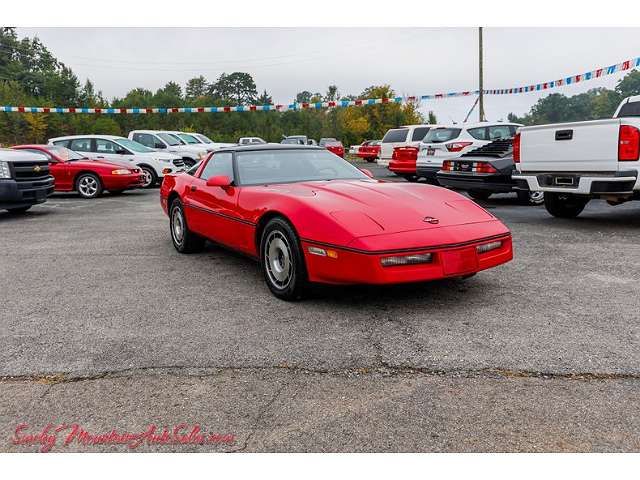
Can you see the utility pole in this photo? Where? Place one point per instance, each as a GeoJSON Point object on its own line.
{"type": "Point", "coordinates": [481, 86]}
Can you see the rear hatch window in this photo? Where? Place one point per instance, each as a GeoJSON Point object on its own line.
{"type": "Point", "coordinates": [439, 135]}
{"type": "Point", "coordinates": [396, 135]}
{"type": "Point", "coordinates": [631, 109]}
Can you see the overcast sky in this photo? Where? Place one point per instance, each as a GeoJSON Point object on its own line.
{"type": "Point", "coordinates": [414, 61]}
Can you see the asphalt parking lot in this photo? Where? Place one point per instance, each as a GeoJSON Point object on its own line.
{"type": "Point", "coordinates": [105, 325]}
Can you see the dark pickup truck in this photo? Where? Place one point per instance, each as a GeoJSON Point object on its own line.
{"type": "Point", "coordinates": [484, 171]}
{"type": "Point", "coordinates": [24, 180]}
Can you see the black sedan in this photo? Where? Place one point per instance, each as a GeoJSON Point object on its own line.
{"type": "Point", "coordinates": [485, 171]}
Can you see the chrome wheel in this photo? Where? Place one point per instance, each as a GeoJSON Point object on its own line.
{"type": "Point", "coordinates": [177, 226]}
{"type": "Point", "coordinates": [278, 259]}
{"type": "Point", "coordinates": [88, 186]}
{"type": "Point", "coordinates": [536, 198]}
{"type": "Point", "coordinates": [148, 178]}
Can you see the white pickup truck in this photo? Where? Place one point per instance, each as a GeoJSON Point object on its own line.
{"type": "Point", "coordinates": [575, 162]}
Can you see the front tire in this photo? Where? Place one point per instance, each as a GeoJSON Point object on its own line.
{"type": "Point", "coordinates": [564, 205]}
{"type": "Point", "coordinates": [184, 240]}
{"type": "Point", "coordinates": [18, 211]}
{"type": "Point", "coordinates": [150, 177]}
{"type": "Point", "coordinates": [282, 261]}
{"type": "Point", "coordinates": [89, 185]}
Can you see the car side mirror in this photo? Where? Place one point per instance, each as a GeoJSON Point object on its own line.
{"type": "Point", "coordinates": [367, 172]}
{"type": "Point", "coordinates": [219, 181]}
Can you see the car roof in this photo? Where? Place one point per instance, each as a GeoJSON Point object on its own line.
{"type": "Point", "coordinates": [9, 154]}
{"type": "Point", "coordinates": [105, 137]}
{"type": "Point", "coordinates": [268, 147]}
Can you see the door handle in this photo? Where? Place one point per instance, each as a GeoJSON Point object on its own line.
{"type": "Point", "coordinates": [193, 188]}
{"type": "Point", "coordinates": [99, 156]}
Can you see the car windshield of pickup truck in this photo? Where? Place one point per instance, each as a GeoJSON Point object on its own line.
{"type": "Point", "coordinates": [630, 109]}
{"type": "Point", "coordinates": [204, 138]}
{"type": "Point", "coordinates": [188, 138]}
{"type": "Point", "coordinates": [173, 141]}
{"type": "Point", "coordinates": [439, 135]}
{"type": "Point", "coordinates": [133, 146]}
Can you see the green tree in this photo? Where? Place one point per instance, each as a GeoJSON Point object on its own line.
{"type": "Point", "coordinates": [197, 87]}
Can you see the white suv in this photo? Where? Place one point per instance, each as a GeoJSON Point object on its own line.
{"type": "Point", "coordinates": [405, 136]}
{"type": "Point", "coordinates": [200, 140]}
{"type": "Point", "coordinates": [450, 141]}
{"type": "Point", "coordinates": [168, 141]}
{"type": "Point", "coordinates": [122, 150]}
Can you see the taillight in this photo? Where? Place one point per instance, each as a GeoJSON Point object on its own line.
{"type": "Point", "coordinates": [457, 146]}
{"type": "Point", "coordinates": [628, 144]}
{"type": "Point", "coordinates": [483, 167]}
{"type": "Point", "coordinates": [516, 148]}
{"type": "Point", "coordinates": [447, 165]}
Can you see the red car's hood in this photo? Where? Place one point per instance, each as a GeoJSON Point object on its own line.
{"type": "Point", "coordinates": [374, 208]}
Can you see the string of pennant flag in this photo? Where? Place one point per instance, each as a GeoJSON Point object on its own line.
{"type": "Point", "coordinates": [573, 79]}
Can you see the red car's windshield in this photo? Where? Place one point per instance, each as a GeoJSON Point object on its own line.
{"type": "Point", "coordinates": [287, 166]}
{"type": "Point", "coordinates": [64, 153]}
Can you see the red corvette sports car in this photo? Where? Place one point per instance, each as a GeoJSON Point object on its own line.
{"type": "Point", "coordinates": [73, 172]}
{"type": "Point", "coordinates": [310, 216]}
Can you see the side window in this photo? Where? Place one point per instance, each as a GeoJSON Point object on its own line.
{"type": "Point", "coordinates": [106, 146]}
{"type": "Point", "coordinates": [499, 131]}
{"type": "Point", "coordinates": [513, 129]}
{"type": "Point", "coordinates": [62, 143]}
{"type": "Point", "coordinates": [145, 139]}
{"type": "Point", "coordinates": [419, 133]}
{"type": "Point", "coordinates": [80, 144]}
{"type": "Point", "coordinates": [478, 133]}
{"type": "Point", "coordinates": [219, 164]}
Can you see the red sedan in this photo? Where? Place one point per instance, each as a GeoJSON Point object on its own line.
{"type": "Point", "coordinates": [403, 162]}
{"type": "Point", "coordinates": [369, 150]}
{"type": "Point", "coordinates": [333, 145]}
{"type": "Point", "coordinates": [73, 172]}
{"type": "Point", "coordinates": [309, 216]}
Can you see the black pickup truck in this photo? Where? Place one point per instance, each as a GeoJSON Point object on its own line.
{"type": "Point", "coordinates": [484, 171]}
{"type": "Point", "coordinates": [24, 180]}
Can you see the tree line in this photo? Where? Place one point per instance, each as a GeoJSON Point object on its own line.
{"type": "Point", "coordinates": [30, 75]}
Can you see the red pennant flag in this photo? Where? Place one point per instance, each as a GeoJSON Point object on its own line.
{"type": "Point", "coordinates": [252, 108]}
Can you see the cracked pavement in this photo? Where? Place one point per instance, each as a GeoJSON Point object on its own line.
{"type": "Point", "coordinates": [105, 325]}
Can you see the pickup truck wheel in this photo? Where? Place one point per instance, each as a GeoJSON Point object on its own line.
{"type": "Point", "coordinates": [150, 177]}
{"type": "Point", "coordinates": [479, 194]}
{"type": "Point", "coordinates": [282, 260]}
{"type": "Point", "coordinates": [18, 211]}
{"type": "Point", "coordinates": [564, 205]}
{"type": "Point", "coordinates": [526, 197]}
{"type": "Point", "coordinates": [88, 185]}
{"type": "Point", "coordinates": [184, 240]}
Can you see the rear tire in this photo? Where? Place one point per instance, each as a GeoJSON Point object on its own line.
{"type": "Point", "coordinates": [88, 185]}
{"type": "Point", "coordinates": [411, 178]}
{"type": "Point", "coordinates": [282, 261]}
{"type": "Point", "coordinates": [479, 194]}
{"type": "Point", "coordinates": [527, 197]}
{"type": "Point", "coordinates": [184, 240]}
{"type": "Point", "coordinates": [564, 205]}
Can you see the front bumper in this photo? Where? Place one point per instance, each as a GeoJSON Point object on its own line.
{"type": "Point", "coordinates": [123, 182]}
{"type": "Point", "coordinates": [20, 194]}
{"type": "Point", "coordinates": [621, 183]}
{"type": "Point", "coordinates": [359, 267]}
{"type": "Point", "coordinates": [495, 183]}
